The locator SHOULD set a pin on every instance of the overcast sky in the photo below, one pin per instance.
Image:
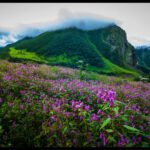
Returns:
(134, 18)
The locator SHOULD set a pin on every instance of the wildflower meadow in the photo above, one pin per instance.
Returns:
(45, 106)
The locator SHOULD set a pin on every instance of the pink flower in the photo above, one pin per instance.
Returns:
(104, 141)
(112, 96)
(62, 89)
(79, 105)
(21, 107)
(1, 100)
(10, 104)
(99, 112)
(72, 104)
(22, 92)
(101, 135)
(87, 107)
(7, 77)
(49, 123)
(67, 114)
(108, 116)
(94, 117)
(117, 115)
(76, 104)
(99, 93)
(44, 108)
(140, 138)
(107, 95)
(53, 118)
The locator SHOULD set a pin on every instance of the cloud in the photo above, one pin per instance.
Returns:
(85, 21)
(137, 41)
(7, 39)
(66, 19)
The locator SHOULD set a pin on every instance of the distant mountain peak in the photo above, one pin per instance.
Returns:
(143, 47)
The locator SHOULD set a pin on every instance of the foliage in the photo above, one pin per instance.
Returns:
(45, 106)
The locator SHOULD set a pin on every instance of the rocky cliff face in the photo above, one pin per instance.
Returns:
(112, 42)
(143, 58)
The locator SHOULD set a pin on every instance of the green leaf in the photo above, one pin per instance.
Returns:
(99, 106)
(106, 106)
(145, 144)
(67, 105)
(109, 130)
(71, 124)
(55, 136)
(84, 113)
(131, 128)
(85, 143)
(116, 109)
(130, 145)
(1, 130)
(111, 139)
(144, 134)
(125, 118)
(65, 129)
(118, 102)
(105, 123)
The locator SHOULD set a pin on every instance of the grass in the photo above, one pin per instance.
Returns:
(108, 68)
(32, 56)
(23, 54)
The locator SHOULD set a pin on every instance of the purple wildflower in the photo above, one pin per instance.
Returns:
(7, 77)
(101, 135)
(140, 138)
(49, 123)
(10, 104)
(1, 100)
(21, 107)
(99, 112)
(104, 141)
(94, 117)
(44, 108)
(53, 118)
(87, 107)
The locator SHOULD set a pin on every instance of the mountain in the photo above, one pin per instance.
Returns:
(10, 36)
(143, 58)
(113, 44)
(105, 50)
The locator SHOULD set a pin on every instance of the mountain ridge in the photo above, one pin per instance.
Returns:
(95, 47)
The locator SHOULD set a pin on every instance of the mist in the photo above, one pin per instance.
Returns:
(21, 31)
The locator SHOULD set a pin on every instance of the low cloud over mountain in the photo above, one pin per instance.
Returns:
(22, 31)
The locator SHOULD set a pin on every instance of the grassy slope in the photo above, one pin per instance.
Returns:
(64, 48)
(109, 68)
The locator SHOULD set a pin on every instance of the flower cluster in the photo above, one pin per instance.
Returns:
(107, 95)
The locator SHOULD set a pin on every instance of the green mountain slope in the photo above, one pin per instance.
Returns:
(65, 47)
(143, 58)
